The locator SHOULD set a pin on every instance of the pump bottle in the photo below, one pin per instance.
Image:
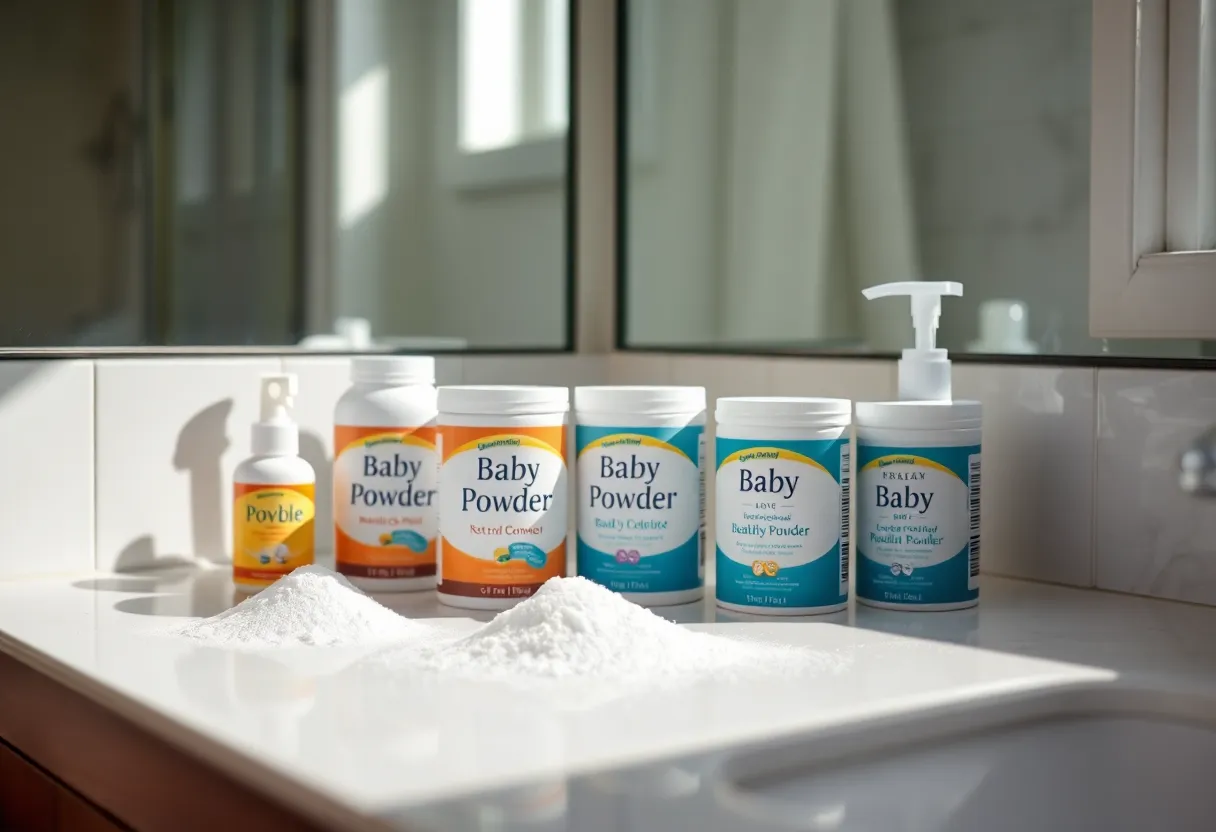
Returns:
(273, 505)
(918, 476)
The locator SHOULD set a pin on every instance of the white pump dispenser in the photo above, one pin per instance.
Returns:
(275, 434)
(924, 370)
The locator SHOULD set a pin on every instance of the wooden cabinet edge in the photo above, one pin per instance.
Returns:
(140, 779)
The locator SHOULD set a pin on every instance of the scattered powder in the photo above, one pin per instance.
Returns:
(572, 627)
(311, 606)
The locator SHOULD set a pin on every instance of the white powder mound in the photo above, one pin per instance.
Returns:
(572, 627)
(311, 606)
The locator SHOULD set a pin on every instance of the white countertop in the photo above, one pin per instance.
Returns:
(333, 729)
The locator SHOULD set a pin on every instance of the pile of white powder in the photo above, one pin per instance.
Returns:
(311, 606)
(572, 627)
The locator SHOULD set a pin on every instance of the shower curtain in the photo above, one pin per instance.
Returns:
(819, 199)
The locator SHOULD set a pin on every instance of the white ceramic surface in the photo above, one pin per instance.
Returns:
(1151, 538)
(170, 433)
(337, 727)
(46, 442)
(1038, 449)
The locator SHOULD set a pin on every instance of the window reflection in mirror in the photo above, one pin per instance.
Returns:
(782, 155)
(168, 180)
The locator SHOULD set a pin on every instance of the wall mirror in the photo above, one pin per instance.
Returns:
(780, 156)
(327, 173)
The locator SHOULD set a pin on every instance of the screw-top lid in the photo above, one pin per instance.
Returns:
(503, 399)
(639, 400)
(782, 411)
(920, 415)
(275, 434)
(400, 370)
(924, 370)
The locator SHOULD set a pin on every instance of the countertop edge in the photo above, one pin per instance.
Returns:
(265, 781)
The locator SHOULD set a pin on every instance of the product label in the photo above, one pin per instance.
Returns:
(386, 504)
(273, 531)
(640, 507)
(918, 524)
(783, 522)
(503, 515)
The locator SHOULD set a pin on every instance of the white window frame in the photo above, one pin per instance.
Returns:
(1139, 195)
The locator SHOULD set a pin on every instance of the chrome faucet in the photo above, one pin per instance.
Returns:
(1197, 465)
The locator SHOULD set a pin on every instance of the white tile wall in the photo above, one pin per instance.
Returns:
(1152, 539)
(130, 461)
(1038, 447)
(568, 370)
(170, 433)
(639, 368)
(46, 443)
(856, 379)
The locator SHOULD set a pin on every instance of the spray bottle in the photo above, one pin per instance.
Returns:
(918, 476)
(273, 495)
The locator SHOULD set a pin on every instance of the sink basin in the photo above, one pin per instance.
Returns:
(1100, 761)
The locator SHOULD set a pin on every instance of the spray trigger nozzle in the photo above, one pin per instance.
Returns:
(278, 397)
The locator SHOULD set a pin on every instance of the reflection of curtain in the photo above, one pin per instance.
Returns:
(819, 201)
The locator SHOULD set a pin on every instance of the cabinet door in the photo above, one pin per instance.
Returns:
(75, 815)
(27, 796)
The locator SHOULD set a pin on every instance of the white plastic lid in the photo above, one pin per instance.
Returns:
(913, 415)
(503, 399)
(402, 370)
(783, 411)
(640, 401)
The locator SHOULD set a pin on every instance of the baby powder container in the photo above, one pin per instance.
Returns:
(782, 526)
(641, 491)
(273, 509)
(918, 477)
(386, 474)
(503, 514)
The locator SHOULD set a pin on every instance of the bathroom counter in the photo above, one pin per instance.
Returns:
(342, 739)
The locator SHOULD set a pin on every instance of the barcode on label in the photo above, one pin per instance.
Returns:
(844, 519)
(973, 505)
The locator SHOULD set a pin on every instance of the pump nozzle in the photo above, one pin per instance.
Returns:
(924, 370)
(275, 432)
